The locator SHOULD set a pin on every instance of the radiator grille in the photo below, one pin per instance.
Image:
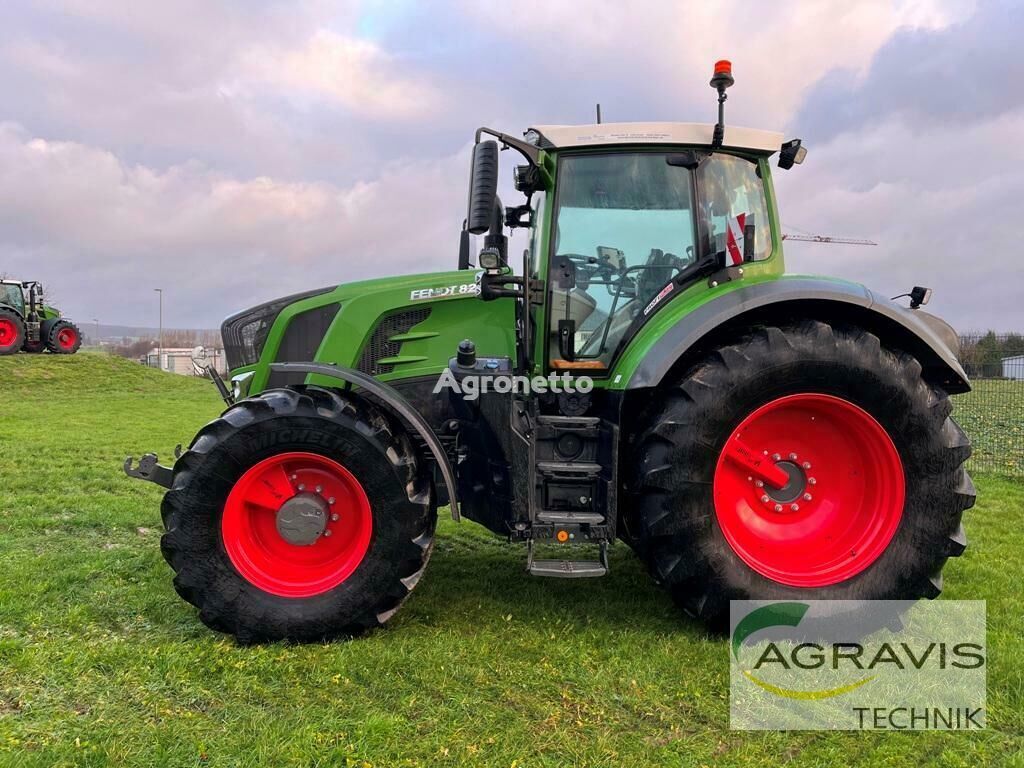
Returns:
(380, 345)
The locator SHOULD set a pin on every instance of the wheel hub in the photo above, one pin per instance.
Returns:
(302, 519)
(793, 489)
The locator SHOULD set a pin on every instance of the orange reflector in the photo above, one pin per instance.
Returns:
(562, 536)
(723, 67)
(564, 364)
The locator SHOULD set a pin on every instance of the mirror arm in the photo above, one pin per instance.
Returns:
(528, 151)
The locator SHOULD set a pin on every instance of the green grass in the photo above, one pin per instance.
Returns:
(102, 664)
(993, 415)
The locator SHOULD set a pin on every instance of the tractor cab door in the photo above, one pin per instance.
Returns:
(623, 227)
(12, 296)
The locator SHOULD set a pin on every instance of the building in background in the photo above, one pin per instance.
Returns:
(1013, 367)
(179, 360)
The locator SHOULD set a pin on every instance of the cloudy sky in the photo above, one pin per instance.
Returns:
(232, 152)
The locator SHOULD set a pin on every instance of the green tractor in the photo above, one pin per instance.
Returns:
(648, 375)
(27, 323)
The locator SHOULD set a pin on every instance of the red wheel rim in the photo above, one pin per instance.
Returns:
(261, 554)
(848, 482)
(66, 338)
(8, 332)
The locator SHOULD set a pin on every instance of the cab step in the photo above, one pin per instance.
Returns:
(568, 569)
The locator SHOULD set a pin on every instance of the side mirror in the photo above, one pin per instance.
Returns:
(483, 187)
(792, 153)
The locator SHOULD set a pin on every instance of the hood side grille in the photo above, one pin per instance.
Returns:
(380, 345)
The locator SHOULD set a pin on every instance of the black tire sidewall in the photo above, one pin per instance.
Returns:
(51, 338)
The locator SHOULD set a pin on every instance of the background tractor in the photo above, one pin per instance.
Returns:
(750, 434)
(27, 323)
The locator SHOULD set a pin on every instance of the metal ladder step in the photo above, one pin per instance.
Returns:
(570, 517)
(568, 569)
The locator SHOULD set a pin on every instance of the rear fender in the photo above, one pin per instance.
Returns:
(931, 340)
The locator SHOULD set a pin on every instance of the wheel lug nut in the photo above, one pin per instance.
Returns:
(765, 499)
(778, 507)
(759, 483)
(807, 497)
(330, 500)
(334, 517)
(795, 507)
(776, 456)
(792, 457)
(327, 532)
(294, 477)
(811, 481)
(806, 465)
(302, 487)
(319, 489)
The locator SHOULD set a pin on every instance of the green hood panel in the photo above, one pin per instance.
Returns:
(455, 312)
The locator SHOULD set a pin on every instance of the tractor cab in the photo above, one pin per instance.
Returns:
(623, 216)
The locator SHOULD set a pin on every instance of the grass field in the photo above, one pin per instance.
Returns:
(993, 415)
(102, 664)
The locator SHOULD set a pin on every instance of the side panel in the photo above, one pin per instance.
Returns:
(690, 318)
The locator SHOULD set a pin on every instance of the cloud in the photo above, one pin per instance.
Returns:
(215, 242)
(930, 78)
(352, 73)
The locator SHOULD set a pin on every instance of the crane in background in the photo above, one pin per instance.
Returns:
(807, 237)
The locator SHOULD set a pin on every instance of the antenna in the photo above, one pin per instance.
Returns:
(598, 114)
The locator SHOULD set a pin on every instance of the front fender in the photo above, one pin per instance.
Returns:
(925, 336)
(400, 405)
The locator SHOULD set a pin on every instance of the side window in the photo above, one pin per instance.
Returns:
(733, 198)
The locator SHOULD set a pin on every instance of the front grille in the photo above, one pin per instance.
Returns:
(304, 333)
(380, 345)
(245, 333)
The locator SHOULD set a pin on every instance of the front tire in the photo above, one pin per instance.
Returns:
(64, 338)
(298, 515)
(875, 484)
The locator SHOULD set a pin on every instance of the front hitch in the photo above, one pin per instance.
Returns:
(150, 468)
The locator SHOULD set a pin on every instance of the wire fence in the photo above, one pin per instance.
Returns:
(992, 413)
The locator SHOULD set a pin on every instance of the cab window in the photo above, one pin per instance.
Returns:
(733, 198)
(623, 228)
(12, 296)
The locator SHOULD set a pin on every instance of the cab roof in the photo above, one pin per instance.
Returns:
(700, 134)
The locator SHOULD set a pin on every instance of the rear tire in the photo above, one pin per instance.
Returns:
(12, 332)
(64, 338)
(710, 538)
(210, 543)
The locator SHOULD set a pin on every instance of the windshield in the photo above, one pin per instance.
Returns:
(12, 296)
(624, 227)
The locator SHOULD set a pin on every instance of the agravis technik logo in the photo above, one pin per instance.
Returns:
(858, 665)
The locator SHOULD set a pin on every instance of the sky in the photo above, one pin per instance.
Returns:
(232, 152)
